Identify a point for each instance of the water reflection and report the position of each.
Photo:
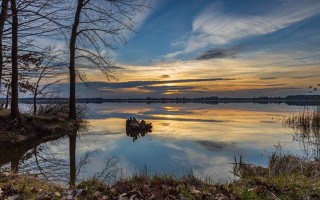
(137, 128)
(72, 156)
(200, 138)
(34, 157)
(37, 158)
(188, 137)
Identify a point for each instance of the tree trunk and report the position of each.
(72, 70)
(14, 57)
(7, 98)
(72, 154)
(3, 16)
(14, 169)
(35, 104)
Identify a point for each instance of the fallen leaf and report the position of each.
(13, 197)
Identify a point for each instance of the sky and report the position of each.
(226, 48)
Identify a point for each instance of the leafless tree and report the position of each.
(41, 75)
(98, 25)
(14, 62)
(3, 17)
(29, 23)
(90, 27)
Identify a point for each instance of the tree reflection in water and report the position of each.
(72, 155)
(37, 158)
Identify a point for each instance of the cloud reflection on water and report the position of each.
(187, 137)
(198, 138)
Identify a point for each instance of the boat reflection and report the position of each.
(137, 128)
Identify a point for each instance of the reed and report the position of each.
(306, 126)
(306, 121)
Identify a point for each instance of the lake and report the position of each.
(202, 139)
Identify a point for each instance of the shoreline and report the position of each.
(31, 128)
(286, 177)
(159, 101)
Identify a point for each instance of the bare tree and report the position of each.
(39, 20)
(38, 90)
(96, 25)
(14, 62)
(99, 25)
(29, 22)
(3, 17)
(38, 73)
(6, 91)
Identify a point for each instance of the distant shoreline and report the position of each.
(312, 100)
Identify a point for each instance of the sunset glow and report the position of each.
(252, 48)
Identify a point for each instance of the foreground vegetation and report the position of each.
(286, 177)
(306, 126)
(306, 122)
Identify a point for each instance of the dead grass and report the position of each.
(286, 177)
(26, 187)
(306, 122)
(156, 187)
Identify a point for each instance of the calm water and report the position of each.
(198, 138)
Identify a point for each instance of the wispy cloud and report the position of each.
(167, 89)
(217, 53)
(134, 84)
(268, 78)
(213, 27)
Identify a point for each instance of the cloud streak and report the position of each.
(217, 53)
(134, 84)
(213, 27)
(167, 89)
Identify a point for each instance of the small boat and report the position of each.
(139, 125)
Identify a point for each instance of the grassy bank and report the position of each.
(286, 177)
(31, 127)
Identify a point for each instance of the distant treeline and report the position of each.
(290, 100)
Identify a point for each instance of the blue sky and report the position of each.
(168, 22)
(226, 48)
(187, 28)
